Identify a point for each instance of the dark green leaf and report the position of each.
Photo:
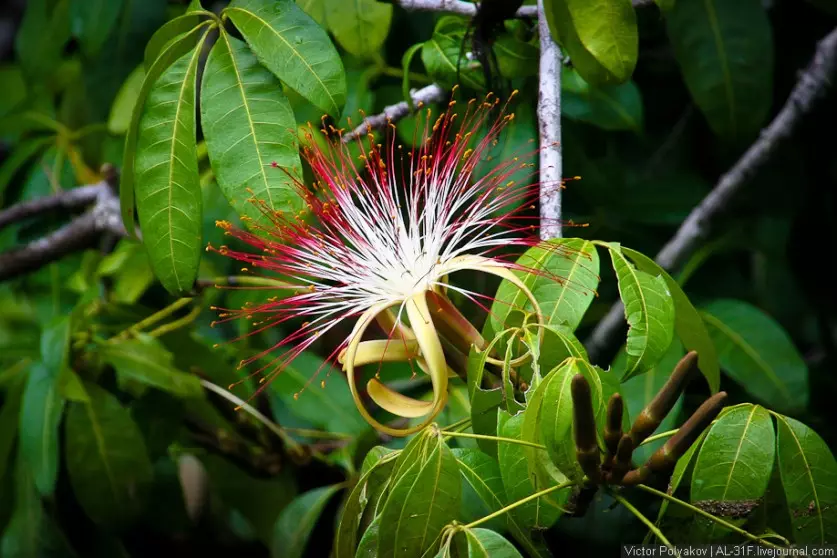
(171, 53)
(440, 55)
(483, 543)
(725, 51)
(735, 462)
(22, 154)
(516, 58)
(688, 324)
(9, 424)
(679, 472)
(291, 45)
(640, 390)
(249, 127)
(423, 500)
(758, 354)
(484, 402)
(93, 21)
(40, 418)
(649, 309)
(145, 360)
(360, 26)
(346, 540)
(43, 33)
(330, 407)
(368, 546)
(809, 476)
(14, 89)
(610, 107)
(563, 279)
(297, 520)
(106, 459)
(600, 37)
(167, 182)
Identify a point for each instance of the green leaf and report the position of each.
(600, 37)
(734, 463)
(483, 543)
(168, 185)
(516, 58)
(297, 520)
(484, 402)
(22, 154)
(649, 309)
(14, 92)
(291, 45)
(31, 532)
(43, 33)
(563, 278)
(809, 477)
(609, 107)
(145, 360)
(106, 459)
(330, 407)
(93, 21)
(123, 105)
(537, 514)
(40, 417)
(725, 52)
(757, 353)
(688, 324)
(440, 55)
(360, 26)
(171, 31)
(640, 390)
(679, 472)
(171, 53)
(423, 500)
(556, 414)
(249, 127)
(315, 8)
(9, 424)
(346, 540)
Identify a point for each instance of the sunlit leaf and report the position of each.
(249, 128)
(649, 309)
(292, 46)
(725, 52)
(297, 520)
(809, 476)
(734, 464)
(757, 353)
(361, 26)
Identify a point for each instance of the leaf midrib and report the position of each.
(810, 478)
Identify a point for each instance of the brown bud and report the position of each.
(613, 423)
(584, 431)
(665, 457)
(622, 461)
(654, 413)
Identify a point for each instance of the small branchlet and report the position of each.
(617, 468)
(654, 413)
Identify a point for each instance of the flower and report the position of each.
(387, 229)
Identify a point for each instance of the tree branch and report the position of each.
(80, 233)
(549, 126)
(431, 94)
(456, 7)
(811, 87)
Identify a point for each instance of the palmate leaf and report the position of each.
(292, 46)
(249, 128)
(600, 36)
(167, 181)
(725, 52)
(564, 279)
(688, 324)
(649, 309)
(734, 463)
(758, 354)
(421, 502)
(809, 478)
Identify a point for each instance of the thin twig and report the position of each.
(68, 200)
(455, 7)
(549, 125)
(433, 93)
(811, 87)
